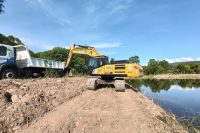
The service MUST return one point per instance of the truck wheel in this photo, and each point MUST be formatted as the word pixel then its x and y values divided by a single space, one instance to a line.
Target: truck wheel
pixel 9 74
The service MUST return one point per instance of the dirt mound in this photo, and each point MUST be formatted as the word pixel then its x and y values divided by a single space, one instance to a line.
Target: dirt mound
pixel 107 111
pixel 68 107
pixel 22 101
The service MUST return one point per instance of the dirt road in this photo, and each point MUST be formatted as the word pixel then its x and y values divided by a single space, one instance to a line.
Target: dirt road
pixel 105 111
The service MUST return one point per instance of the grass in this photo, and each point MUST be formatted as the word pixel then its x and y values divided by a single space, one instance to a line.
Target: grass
pixel 191 123
pixel 162 118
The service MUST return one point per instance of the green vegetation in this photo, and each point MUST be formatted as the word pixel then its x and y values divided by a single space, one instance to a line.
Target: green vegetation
pixel 163 67
pixel 58 54
pixel 1 6
pixel 191 123
pixel 158 67
pixel 134 59
pixel 51 73
pixel 77 66
pixel 10 40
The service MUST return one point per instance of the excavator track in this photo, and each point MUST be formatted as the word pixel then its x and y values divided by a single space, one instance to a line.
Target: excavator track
pixel 118 84
pixel 93 83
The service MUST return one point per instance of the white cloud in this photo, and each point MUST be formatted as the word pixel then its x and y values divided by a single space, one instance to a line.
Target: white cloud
pixel 182 59
pixel 117 6
pixel 107 45
pixel 90 13
pixel 108 53
pixel 51 10
pixel 179 88
pixel 36 45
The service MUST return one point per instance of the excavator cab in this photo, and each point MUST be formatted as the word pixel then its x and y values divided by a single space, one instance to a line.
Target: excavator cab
pixel 96 62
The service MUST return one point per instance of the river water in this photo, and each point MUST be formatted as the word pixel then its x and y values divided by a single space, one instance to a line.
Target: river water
pixel 180 97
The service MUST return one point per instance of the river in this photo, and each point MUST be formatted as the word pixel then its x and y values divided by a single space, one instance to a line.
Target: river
pixel 180 97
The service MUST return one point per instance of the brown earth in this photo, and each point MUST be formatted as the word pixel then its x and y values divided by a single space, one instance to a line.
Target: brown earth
pixel 64 105
pixel 22 101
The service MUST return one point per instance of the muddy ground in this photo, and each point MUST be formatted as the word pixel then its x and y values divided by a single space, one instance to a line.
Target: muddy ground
pixel 64 105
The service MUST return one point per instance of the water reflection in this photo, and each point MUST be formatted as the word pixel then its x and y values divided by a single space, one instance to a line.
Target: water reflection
pixel 181 97
pixel 158 85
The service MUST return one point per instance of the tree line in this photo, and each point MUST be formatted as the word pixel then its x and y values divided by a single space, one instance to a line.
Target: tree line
pixel 163 67
pixel 10 40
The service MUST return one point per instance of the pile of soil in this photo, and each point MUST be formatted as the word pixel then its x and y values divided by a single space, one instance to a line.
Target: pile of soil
pixel 64 105
pixel 107 111
pixel 22 101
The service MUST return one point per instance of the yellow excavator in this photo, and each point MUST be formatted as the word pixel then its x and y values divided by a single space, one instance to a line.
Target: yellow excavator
pixel 101 71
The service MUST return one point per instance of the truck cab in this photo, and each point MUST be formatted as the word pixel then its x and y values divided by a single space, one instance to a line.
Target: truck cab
pixel 7 61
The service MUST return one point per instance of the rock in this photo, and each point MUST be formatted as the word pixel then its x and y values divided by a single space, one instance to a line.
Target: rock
pixel 26 99
pixel 24 87
pixel 59 81
pixel 15 99
pixel 20 96
pixel 18 84
pixel 16 128
pixel 7 97
pixel 55 103
pixel 11 91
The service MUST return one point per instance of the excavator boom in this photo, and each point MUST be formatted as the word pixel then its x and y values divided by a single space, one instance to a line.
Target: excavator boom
pixel 79 49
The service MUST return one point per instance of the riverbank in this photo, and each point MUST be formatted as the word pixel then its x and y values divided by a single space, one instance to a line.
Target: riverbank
pixel 173 76
pixel 65 105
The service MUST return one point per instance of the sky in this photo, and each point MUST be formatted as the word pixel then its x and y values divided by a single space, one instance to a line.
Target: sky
pixel 158 29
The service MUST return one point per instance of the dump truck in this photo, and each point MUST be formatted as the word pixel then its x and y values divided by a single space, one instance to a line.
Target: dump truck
pixel 15 61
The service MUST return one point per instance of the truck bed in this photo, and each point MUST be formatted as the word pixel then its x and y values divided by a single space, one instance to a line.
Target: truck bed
pixel 24 60
pixel 40 63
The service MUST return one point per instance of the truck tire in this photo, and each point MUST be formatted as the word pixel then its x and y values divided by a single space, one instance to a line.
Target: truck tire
pixel 9 74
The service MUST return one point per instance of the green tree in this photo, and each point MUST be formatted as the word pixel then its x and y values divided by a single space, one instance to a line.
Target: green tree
pixel 78 65
pixel 166 67
pixel 153 67
pixel 33 54
pixel 15 40
pixel 57 53
pixel 134 59
pixel 196 68
pixel 10 40
pixel 1 6
pixel 112 60
pixel 158 67
pixel 185 69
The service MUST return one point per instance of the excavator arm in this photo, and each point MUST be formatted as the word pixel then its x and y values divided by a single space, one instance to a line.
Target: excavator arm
pixel 79 49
